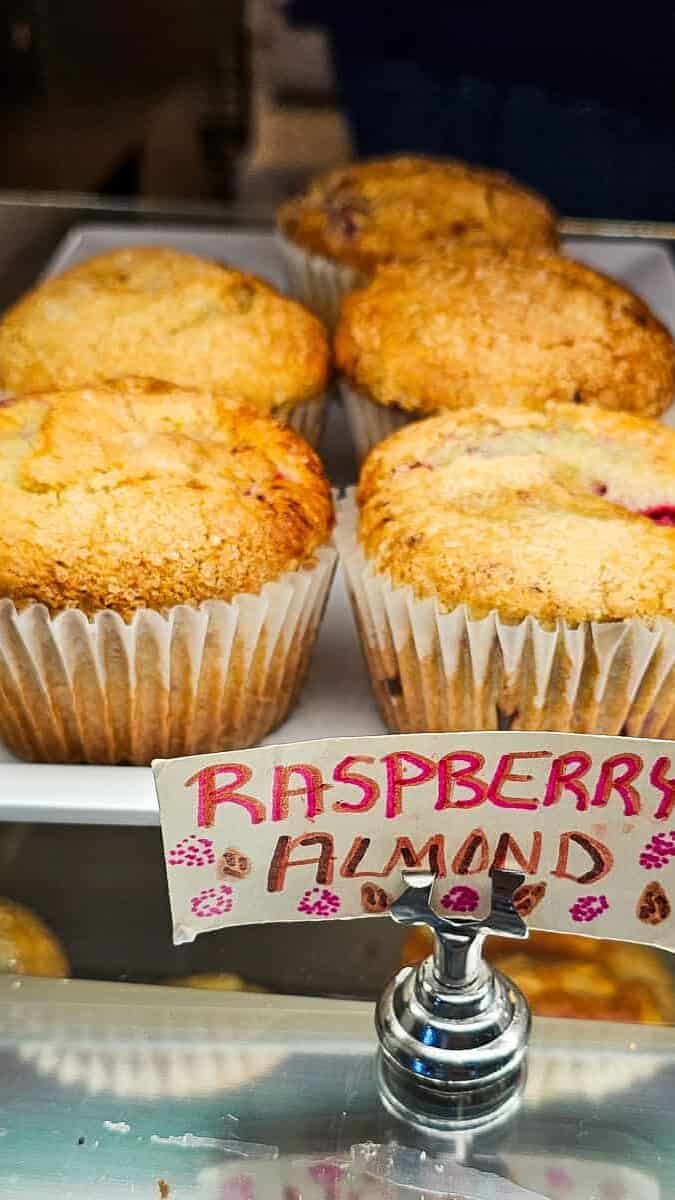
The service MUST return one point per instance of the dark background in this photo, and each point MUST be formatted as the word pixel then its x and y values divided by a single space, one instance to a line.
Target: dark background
pixel 229 99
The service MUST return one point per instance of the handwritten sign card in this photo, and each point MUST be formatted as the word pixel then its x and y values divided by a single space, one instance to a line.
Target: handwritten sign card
pixel 321 830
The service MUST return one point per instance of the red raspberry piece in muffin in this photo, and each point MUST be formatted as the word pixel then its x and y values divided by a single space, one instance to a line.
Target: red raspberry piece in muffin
pixel 526 512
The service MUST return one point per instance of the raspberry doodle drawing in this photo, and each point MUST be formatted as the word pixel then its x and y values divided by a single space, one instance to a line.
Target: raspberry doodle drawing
pixel 319 902
pixel 213 902
pixel 588 908
pixel 461 899
pixel 192 851
pixel 658 851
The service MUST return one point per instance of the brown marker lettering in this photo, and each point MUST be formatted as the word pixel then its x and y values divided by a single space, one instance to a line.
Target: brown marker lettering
pixel 432 851
pixel 354 857
pixel 476 844
pixel 280 862
pixel 507 845
pixel 600 855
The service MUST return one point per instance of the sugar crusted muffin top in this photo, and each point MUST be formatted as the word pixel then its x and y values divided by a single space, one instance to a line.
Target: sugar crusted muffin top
pixel 516 326
pixel 157 313
pixel 556 513
pixel 371 212
pixel 143 495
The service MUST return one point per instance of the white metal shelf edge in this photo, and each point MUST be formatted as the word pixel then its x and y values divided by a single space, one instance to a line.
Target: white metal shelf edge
pixel 77 795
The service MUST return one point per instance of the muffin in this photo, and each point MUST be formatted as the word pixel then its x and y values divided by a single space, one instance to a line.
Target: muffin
pixel 516 567
pixel 27 946
pixel 358 216
pixel 162 576
pixel 214 981
pixel 511 327
pixel 159 314
pixel 569 976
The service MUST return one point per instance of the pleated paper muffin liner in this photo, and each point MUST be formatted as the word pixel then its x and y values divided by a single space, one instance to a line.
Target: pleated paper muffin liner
pixel 436 671
pixel 212 677
pixel 200 1067
pixel 306 418
pixel 134 1072
pixel 317 282
pixel 369 423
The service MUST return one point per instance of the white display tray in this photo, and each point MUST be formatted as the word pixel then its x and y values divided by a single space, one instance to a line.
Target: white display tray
pixel 336 700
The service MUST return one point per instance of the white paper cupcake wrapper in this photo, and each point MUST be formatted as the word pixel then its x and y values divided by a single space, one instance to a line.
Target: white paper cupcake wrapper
pixel 317 282
pixel 194 679
pixel 369 423
pixel 306 419
pixel 436 671
pixel 142 1072
pixel 200 1069
pixel 555 1076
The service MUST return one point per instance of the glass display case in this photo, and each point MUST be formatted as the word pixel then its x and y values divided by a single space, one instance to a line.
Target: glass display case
pixel 112 1090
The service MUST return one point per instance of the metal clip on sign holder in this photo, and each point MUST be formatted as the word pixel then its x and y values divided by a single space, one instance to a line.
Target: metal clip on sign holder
pixel 453 1033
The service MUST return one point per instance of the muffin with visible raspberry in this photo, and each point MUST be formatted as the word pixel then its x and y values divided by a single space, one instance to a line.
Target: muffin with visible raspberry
pixel 517 566
pixel 155 313
pixel 162 576
pixel 353 218
pixel 503 326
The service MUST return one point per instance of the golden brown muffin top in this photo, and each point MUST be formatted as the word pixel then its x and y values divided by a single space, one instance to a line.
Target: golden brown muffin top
pixel 27 946
pixel 214 981
pixel 563 975
pixel 367 213
pixel 559 513
pixel 141 495
pixel 156 313
pixel 514 326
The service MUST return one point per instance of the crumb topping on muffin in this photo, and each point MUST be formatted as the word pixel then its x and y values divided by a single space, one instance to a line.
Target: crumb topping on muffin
pixel 511 326
pixel 366 213
pixel 142 495
pixel 156 313
pixel 526 512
